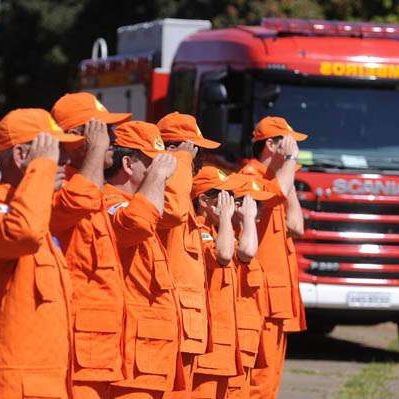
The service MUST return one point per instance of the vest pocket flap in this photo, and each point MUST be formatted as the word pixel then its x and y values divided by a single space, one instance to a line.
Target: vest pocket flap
pixel 193 323
pixel 156 329
pixel 49 386
pixel 255 278
pixel 156 347
pixel 97 320
pixel 105 252
pixel 248 340
pixel 276 280
pixel 100 225
pixel 192 300
pixel 222 335
pixel 44 257
pixel 254 264
pixel 249 322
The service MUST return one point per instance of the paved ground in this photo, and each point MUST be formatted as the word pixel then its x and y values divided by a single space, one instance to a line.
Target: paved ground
pixel 318 366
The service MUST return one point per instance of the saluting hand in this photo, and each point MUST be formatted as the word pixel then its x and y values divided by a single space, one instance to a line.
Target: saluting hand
pixel 225 206
pixel 44 146
pixel 189 147
pixel 96 135
pixel 288 146
pixel 248 209
pixel 163 166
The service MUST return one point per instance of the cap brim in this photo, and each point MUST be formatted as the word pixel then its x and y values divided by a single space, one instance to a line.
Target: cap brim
pixel 68 138
pixel 111 118
pixel 299 136
pixel 256 195
pixel 205 143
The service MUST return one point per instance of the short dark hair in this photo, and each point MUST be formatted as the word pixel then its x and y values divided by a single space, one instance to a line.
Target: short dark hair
pixel 117 156
pixel 258 146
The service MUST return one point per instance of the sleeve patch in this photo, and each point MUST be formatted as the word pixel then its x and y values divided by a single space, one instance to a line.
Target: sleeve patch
pixel 206 236
pixel 114 208
pixel 4 208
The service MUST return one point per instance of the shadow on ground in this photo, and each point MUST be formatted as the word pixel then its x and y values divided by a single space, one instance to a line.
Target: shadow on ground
pixel 323 347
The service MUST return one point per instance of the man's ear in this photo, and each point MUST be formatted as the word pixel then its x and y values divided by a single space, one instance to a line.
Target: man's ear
pixel 127 165
pixel 20 154
pixel 202 200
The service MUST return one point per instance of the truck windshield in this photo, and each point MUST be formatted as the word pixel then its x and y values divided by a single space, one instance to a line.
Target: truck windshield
pixel 347 126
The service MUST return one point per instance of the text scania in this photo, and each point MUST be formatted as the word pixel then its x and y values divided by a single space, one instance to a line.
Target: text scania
pixel 357 186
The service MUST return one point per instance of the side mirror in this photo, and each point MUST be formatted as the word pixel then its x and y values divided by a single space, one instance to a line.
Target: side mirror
pixel 214 93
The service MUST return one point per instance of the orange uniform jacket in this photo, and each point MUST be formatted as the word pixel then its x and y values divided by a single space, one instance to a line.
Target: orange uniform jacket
pixel 81 223
pixel 152 357
pixel 224 360
pixel 278 259
pixel 35 293
pixel 180 235
pixel 251 307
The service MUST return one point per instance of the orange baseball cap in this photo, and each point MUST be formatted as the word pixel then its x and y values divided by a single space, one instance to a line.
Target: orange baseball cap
pixel 183 127
pixel 209 178
pixel 141 136
pixel 75 109
pixel 249 185
pixel 273 126
pixel 24 124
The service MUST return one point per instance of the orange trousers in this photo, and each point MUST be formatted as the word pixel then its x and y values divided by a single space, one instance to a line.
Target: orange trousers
pixel 209 387
pixel 265 382
pixel 188 366
pixel 104 390
pixel 239 387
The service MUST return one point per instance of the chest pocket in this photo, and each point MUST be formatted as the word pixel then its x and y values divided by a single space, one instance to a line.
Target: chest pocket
pixel 46 275
pixel 191 237
pixel 277 219
pixel 161 271
pixel 254 274
pixel 103 247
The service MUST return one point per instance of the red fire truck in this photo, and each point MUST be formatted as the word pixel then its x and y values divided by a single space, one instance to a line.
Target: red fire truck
pixel 339 82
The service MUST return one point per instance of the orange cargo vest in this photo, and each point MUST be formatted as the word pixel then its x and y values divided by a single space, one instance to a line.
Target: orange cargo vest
pixel 224 359
pixel 251 307
pixel 81 223
pixel 152 357
pixel 277 256
pixel 35 292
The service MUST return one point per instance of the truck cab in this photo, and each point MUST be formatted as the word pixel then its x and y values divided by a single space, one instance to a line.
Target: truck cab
pixel 338 82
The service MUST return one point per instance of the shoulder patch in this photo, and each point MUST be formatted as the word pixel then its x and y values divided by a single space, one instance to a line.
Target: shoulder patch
pixel 114 208
pixel 4 208
pixel 205 236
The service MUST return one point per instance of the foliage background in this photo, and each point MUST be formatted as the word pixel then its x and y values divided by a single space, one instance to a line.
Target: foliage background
pixel 42 41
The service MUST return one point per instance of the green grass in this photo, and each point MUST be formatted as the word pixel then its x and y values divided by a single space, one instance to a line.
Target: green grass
pixel 371 382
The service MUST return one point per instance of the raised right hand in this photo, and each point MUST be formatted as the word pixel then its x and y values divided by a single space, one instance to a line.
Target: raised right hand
pixel 226 205
pixel 288 146
pixel 163 166
pixel 44 146
pixel 96 135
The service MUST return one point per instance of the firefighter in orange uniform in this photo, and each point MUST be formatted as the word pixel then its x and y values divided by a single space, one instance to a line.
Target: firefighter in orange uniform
pixel 80 221
pixel 35 291
pixel 135 194
pixel 215 209
pixel 250 298
pixel 275 147
pixel 184 248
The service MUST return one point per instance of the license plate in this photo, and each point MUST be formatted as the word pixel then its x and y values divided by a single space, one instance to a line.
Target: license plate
pixel 368 299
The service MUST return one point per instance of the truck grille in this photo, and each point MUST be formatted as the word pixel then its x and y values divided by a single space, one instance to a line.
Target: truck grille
pixel 346 207
pixel 341 243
